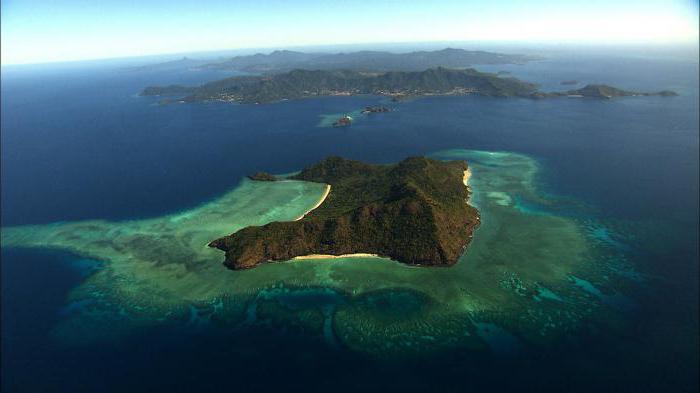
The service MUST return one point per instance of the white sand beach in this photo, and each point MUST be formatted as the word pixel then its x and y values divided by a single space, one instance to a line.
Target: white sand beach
pixel 467 175
pixel 329 256
pixel 323 198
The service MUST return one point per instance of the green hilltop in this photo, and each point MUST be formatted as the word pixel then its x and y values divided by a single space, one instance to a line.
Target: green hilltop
pixel 415 212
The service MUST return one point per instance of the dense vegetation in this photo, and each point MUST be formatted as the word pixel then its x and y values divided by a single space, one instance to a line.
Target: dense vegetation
pixel 398 84
pixel 262 176
pixel 305 83
pixel 415 212
pixel 601 91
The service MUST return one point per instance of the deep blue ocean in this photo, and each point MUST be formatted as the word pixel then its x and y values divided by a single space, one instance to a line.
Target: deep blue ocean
pixel 78 143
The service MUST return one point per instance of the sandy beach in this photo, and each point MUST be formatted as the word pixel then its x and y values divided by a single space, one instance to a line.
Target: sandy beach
pixel 320 201
pixel 467 175
pixel 329 256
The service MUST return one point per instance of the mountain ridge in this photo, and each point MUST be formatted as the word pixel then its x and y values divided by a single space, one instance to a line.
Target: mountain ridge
pixel 280 61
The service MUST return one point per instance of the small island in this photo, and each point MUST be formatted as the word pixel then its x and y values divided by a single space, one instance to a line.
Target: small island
pixel 602 91
pixel 262 176
pixel 299 84
pixel 569 82
pixel 343 121
pixel 415 212
pixel 375 109
pixel 399 85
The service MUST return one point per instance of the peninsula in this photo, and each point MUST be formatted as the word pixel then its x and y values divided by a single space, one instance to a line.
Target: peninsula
pixel 299 84
pixel 415 212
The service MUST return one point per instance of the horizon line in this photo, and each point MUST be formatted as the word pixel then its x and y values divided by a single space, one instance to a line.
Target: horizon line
pixel 543 45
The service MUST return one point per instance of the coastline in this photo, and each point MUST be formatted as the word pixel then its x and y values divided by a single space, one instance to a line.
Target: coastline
pixel 465 180
pixel 320 201
pixel 467 175
pixel 330 256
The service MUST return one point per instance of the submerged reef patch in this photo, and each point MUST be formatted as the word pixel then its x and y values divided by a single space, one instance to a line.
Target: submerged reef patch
pixel 514 280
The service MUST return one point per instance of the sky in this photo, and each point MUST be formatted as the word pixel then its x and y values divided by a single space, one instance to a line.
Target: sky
pixel 38 31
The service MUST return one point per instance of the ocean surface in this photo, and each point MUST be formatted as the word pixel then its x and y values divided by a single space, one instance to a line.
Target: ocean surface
pixel 78 143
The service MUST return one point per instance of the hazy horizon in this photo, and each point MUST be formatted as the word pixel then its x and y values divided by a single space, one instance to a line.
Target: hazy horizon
pixel 34 33
pixel 544 48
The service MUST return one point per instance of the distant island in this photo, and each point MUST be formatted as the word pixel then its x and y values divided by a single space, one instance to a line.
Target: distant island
pixel 298 84
pixel 414 212
pixel 304 83
pixel 602 91
pixel 569 82
pixel 171 90
pixel 172 65
pixel 377 61
pixel 375 109
pixel 262 176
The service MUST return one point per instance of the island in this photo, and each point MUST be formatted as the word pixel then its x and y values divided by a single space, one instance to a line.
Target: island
pixel 169 90
pixel 569 82
pixel 184 63
pixel 375 109
pixel 398 85
pixel 262 176
pixel 602 91
pixel 415 212
pixel 306 83
pixel 343 121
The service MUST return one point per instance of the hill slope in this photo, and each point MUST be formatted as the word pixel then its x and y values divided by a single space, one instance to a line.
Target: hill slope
pixel 305 83
pixel 415 212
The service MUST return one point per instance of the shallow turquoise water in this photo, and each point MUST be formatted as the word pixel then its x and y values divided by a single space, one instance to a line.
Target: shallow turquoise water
pixel 159 269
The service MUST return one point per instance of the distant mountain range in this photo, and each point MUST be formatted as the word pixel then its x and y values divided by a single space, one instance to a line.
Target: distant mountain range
pixel 285 60
pixel 172 65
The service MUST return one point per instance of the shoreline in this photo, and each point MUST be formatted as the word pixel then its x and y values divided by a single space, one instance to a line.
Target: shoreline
pixel 323 198
pixel 330 256
pixel 465 180
pixel 467 175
